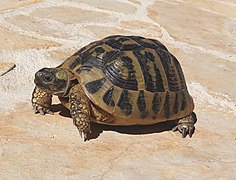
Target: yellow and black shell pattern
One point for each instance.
(134, 79)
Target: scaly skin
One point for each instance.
(41, 101)
(186, 125)
(100, 116)
(80, 110)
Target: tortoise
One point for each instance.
(118, 80)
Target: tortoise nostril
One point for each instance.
(38, 74)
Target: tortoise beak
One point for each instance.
(44, 76)
(38, 77)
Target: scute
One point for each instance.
(124, 72)
(135, 79)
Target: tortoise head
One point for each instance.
(55, 81)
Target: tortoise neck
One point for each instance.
(72, 80)
(69, 85)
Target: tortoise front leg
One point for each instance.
(186, 125)
(41, 101)
(80, 110)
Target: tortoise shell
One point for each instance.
(134, 79)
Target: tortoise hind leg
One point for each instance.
(186, 125)
(100, 116)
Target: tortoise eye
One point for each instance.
(48, 78)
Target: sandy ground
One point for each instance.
(42, 33)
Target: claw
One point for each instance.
(191, 131)
(41, 112)
(80, 133)
(85, 137)
(34, 109)
(47, 111)
(184, 132)
(175, 128)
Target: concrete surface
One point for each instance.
(42, 33)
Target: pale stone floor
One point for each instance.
(42, 33)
